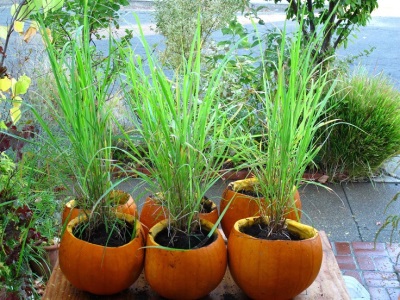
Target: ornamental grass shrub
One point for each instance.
(367, 132)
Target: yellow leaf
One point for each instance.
(3, 32)
(5, 84)
(35, 25)
(29, 34)
(19, 26)
(15, 114)
(15, 111)
(48, 31)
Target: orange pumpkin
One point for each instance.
(97, 269)
(152, 213)
(126, 205)
(184, 274)
(274, 269)
(243, 206)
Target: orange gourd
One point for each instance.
(243, 206)
(152, 213)
(184, 274)
(274, 269)
(97, 269)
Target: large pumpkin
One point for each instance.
(97, 269)
(124, 201)
(274, 269)
(153, 212)
(243, 206)
(184, 274)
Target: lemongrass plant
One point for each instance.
(185, 132)
(82, 132)
(294, 110)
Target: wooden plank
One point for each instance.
(328, 285)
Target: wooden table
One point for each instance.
(328, 285)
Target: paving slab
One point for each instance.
(368, 203)
(328, 210)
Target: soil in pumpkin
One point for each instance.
(181, 240)
(121, 235)
(206, 206)
(260, 230)
(248, 193)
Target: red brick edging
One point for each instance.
(373, 265)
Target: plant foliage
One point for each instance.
(184, 132)
(177, 20)
(292, 116)
(338, 17)
(369, 131)
(84, 119)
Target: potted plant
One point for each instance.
(185, 135)
(101, 250)
(270, 256)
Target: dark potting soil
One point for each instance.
(121, 234)
(248, 193)
(181, 240)
(261, 230)
(206, 206)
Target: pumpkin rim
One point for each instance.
(305, 231)
(126, 217)
(157, 228)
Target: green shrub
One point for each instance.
(368, 130)
(176, 20)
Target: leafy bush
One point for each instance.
(369, 129)
(341, 18)
(176, 20)
(242, 77)
(102, 14)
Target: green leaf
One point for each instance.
(3, 125)
(22, 85)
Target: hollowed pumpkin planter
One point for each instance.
(97, 269)
(274, 269)
(243, 206)
(124, 204)
(184, 274)
(153, 212)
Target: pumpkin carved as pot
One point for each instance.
(98, 269)
(274, 269)
(152, 212)
(243, 206)
(184, 274)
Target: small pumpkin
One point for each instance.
(184, 274)
(153, 212)
(243, 206)
(274, 269)
(97, 269)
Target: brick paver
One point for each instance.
(375, 266)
